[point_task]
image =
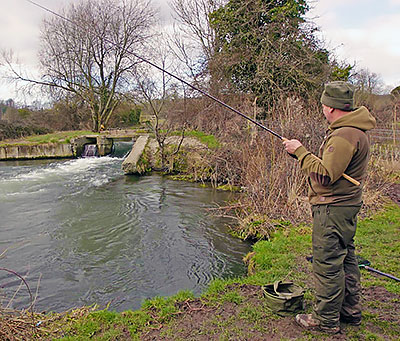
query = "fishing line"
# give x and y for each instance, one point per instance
(354, 181)
(168, 73)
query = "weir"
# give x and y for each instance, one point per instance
(121, 149)
(116, 145)
(90, 150)
(119, 142)
(103, 144)
(129, 166)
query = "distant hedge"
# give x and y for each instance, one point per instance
(15, 131)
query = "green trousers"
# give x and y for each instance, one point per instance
(337, 276)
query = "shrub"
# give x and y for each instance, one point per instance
(15, 131)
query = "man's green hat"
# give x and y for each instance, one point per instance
(338, 95)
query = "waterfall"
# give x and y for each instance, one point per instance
(90, 150)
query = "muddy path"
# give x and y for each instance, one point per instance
(251, 320)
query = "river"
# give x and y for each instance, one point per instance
(81, 232)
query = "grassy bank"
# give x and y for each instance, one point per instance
(57, 137)
(234, 309)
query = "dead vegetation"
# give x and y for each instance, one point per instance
(23, 325)
(27, 324)
(274, 188)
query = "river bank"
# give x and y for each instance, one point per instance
(63, 144)
(234, 309)
(182, 156)
(82, 232)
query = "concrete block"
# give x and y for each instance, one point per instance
(129, 166)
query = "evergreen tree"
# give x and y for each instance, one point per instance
(268, 49)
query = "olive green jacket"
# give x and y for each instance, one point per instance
(345, 149)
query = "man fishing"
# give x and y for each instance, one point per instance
(335, 204)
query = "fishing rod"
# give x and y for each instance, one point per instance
(168, 73)
(364, 264)
(354, 181)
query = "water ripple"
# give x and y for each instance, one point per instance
(96, 236)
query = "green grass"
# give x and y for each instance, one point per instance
(229, 188)
(278, 257)
(377, 240)
(209, 140)
(58, 137)
(110, 325)
(105, 325)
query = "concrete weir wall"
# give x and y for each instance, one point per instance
(58, 150)
(129, 166)
(48, 150)
(104, 144)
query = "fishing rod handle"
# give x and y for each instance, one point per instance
(352, 180)
(347, 177)
(381, 273)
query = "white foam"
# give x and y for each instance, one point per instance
(97, 182)
(26, 193)
(68, 168)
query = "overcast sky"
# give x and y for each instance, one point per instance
(363, 31)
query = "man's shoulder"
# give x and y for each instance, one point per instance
(347, 131)
(351, 134)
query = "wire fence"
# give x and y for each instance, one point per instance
(386, 143)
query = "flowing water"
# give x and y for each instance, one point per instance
(81, 232)
(90, 150)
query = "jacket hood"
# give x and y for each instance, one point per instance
(360, 118)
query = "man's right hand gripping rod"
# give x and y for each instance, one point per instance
(347, 177)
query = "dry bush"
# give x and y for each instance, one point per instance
(383, 170)
(16, 325)
(63, 115)
(16, 131)
(24, 325)
(275, 189)
(274, 186)
(384, 165)
(203, 114)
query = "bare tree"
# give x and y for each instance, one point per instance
(156, 93)
(367, 82)
(195, 39)
(90, 53)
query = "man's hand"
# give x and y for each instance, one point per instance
(291, 145)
